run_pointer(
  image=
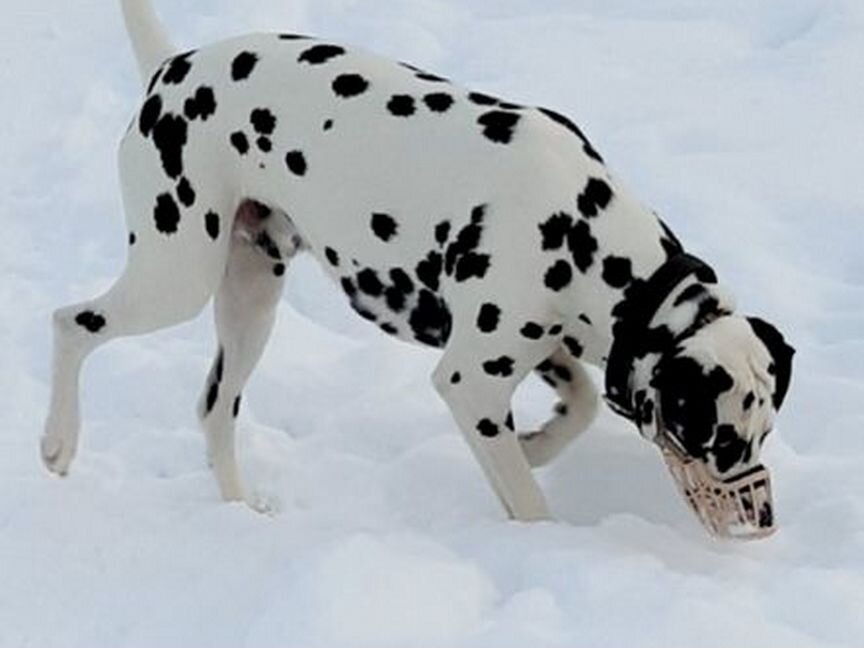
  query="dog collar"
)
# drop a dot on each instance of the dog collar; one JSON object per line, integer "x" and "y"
{"x": 629, "y": 333}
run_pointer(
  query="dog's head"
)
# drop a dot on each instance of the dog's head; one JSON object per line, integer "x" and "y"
{"x": 710, "y": 406}
{"x": 716, "y": 394}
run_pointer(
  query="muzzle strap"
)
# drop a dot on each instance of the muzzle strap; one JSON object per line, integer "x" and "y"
{"x": 629, "y": 333}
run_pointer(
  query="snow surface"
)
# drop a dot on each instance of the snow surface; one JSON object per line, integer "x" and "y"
{"x": 740, "y": 121}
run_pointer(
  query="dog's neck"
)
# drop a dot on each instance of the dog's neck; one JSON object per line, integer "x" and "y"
{"x": 680, "y": 297}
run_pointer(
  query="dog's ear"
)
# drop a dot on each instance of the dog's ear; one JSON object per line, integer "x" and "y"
{"x": 781, "y": 353}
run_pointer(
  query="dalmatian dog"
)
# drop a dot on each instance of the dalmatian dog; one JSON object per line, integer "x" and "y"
{"x": 491, "y": 230}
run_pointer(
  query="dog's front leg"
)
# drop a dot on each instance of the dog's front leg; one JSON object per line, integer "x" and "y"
{"x": 478, "y": 391}
{"x": 573, "y": 414}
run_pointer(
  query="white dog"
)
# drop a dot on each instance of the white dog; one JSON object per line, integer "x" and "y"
{"x": 450, "y": 218}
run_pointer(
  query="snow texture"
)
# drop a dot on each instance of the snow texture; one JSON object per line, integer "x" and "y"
{"x": 741, "y": 122}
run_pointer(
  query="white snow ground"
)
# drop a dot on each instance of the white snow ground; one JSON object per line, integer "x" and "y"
{"x": 741, "y": 122}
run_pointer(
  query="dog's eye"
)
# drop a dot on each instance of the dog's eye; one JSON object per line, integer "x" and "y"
{"x": 725, "y": 436}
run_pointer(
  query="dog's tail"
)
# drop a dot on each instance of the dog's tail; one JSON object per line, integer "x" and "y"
{"x": 149, "y": 40}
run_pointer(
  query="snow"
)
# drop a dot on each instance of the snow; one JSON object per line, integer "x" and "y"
{"x": 739, "y": 121}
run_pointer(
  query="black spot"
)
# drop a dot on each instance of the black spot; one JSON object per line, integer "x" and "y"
{"x": 296, "y": 162}
{"x": 546, "y": 373}
{"x": 166, "y": 214}
{"x": 132, "y": 238}
{"x": 594, "y": 198}
{"x": 706, "y": 274}
{"x": 688, "y": 399}
{"x": 320, "y": 54}
{"x": 562, "y": 372}
{"x": 211, "y": 224}
{"x": 471, "y": 265}
{"x": 502, "y": 367}
{"x": 292, "y": 37}
{"x": 149, "y": 116}
{"x": 584, "y": 318}
{"x": 617, "y": 271}
{"x": 461, "y": 259}
{"x": 487, "y": 428}
{"x": 456, "y": 378}
{"x": 169, "y": 136}
{"x": 389, "y": 328}
{"x": 279, "y": 269}
{"x": 265, "y": 145}
{"x": 401, "y": 281}
{"x": 483, "y": 99}
{"x": 90, "y": 321}
{"x": 395, "y": 299}
{"x": 498, "y": 126}
{"x": 219, "y": 366}
{"x": 155, "y": 79}
{"x": 582, "y": 245}
{"x": 558, "y": 276}
{"x": 268, "y": 246}
{"x": 691, "y": 292}
{"x": 668, "y": 241}
{"x": 365, "y": 314}
{"x": 369, "y": 283}
{"x": 555, "y": 230}
{"x": 349, "y": 85}
{"x": 555, "y": 329}
{"x": 332, "y": 256}
{"x": 426, "y": 76}
{"x": 263, "y": 121}
{"x": 509, "y": 421}
{"x": 236, "y": 410}
{"x": 202, "y": 104}
{"x": 431, "y": 320}
{"x": 488, "y": 318}
{"x": 185, "y": 192}
{"x": 401, "y": 105}
{"x": 384, "y": 226}
{"x": 328, "y": 124}
{"x": 573, "y": 346}
{"x": 348, "y": 287}
{"x": 178, "y": 68}
{"x": 532, "y": 331}
{"x": 438, "y": 102}
{"x": 212, "y": 397}
{"x": 240, "y": 142}
{"x": 573, "y": 128}
{"x": 748, "y": 400}
{"x": 429, "y": 270}
{"x": 243, "y": 65}
{"x": 442, "y": 232}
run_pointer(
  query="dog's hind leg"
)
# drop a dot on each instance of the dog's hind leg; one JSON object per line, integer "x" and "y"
{"x": 245, "y": 310}
{"x": 169, "y": 277}
{"x": 573, "y": 414}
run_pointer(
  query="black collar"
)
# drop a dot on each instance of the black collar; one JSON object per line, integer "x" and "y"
{"x": 629, "y": 332}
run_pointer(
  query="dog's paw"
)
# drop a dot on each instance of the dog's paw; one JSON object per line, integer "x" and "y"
{"x": 264, "y": 503}
{"x": 57, "y": 454}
